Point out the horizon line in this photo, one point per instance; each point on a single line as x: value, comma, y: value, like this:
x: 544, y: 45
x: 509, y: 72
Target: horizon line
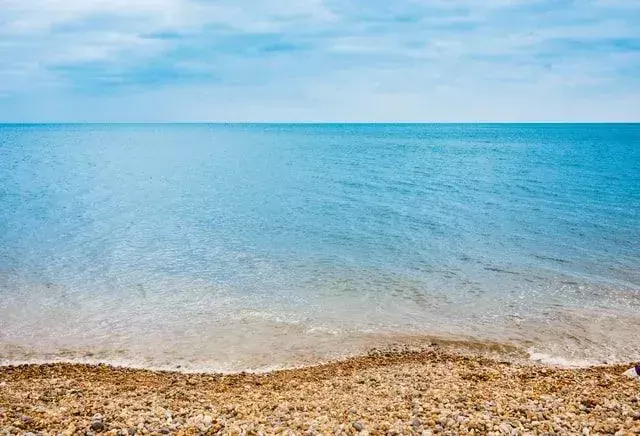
x: 5, y: 123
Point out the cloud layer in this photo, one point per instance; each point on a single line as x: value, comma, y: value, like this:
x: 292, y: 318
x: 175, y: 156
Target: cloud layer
x: 319, y: 60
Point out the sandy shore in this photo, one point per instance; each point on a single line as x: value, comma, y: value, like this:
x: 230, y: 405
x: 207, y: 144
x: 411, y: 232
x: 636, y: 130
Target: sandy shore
x: 432, y: 391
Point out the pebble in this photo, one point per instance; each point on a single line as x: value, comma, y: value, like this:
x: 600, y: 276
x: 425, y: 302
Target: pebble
x: 414, y: 392
x: 97, y: 422
x: 97, y: 426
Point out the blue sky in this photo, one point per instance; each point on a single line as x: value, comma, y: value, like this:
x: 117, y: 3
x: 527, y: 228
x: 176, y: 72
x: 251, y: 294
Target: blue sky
x: 319, y: 60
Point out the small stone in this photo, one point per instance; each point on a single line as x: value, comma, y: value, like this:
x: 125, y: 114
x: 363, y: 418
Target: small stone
x: 97, y: 422
x: 71, y: 429
x: 505, y: 428
x: 416, y: 423
x: 97, y: 426
x: 633, y: 372
x: 357, y: 426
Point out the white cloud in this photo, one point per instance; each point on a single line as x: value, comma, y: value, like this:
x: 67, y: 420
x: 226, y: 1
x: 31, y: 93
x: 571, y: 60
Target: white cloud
x: 350, y: 59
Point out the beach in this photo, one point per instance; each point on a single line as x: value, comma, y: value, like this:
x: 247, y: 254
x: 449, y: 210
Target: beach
x: 319, y: 217
x: 429, y: 391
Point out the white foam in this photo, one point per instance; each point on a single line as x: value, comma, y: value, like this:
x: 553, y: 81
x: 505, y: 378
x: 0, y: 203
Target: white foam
x: 561, y: 361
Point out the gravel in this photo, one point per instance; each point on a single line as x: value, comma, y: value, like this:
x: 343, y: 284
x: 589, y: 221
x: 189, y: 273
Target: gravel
x: 426, y: 392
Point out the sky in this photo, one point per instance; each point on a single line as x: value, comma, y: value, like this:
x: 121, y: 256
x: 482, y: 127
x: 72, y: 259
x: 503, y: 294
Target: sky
x: 319, y: 60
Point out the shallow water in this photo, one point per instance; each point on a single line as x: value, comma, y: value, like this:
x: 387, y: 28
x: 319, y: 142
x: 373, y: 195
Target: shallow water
x: 232, y: 247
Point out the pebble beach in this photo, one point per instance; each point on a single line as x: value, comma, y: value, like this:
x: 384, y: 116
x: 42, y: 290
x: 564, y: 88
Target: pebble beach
x: 431, y: 391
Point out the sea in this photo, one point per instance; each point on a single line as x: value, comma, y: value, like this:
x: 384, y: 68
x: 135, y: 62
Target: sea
x: 250, y: 247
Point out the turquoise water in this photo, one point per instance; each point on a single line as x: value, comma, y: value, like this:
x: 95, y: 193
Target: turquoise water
x: 252, y: 246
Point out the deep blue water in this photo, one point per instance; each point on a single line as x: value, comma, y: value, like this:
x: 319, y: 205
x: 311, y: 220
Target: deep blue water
x: 218, y: 244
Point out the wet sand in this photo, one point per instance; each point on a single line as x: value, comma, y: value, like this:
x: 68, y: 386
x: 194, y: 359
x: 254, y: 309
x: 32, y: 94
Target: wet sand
x: 402, y: 392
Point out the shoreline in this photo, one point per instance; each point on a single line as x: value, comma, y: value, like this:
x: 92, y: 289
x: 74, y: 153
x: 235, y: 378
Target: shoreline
x: 460, y: 346
x: 396, y: 343
x: 406, y: 392
x: 383, y: 344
